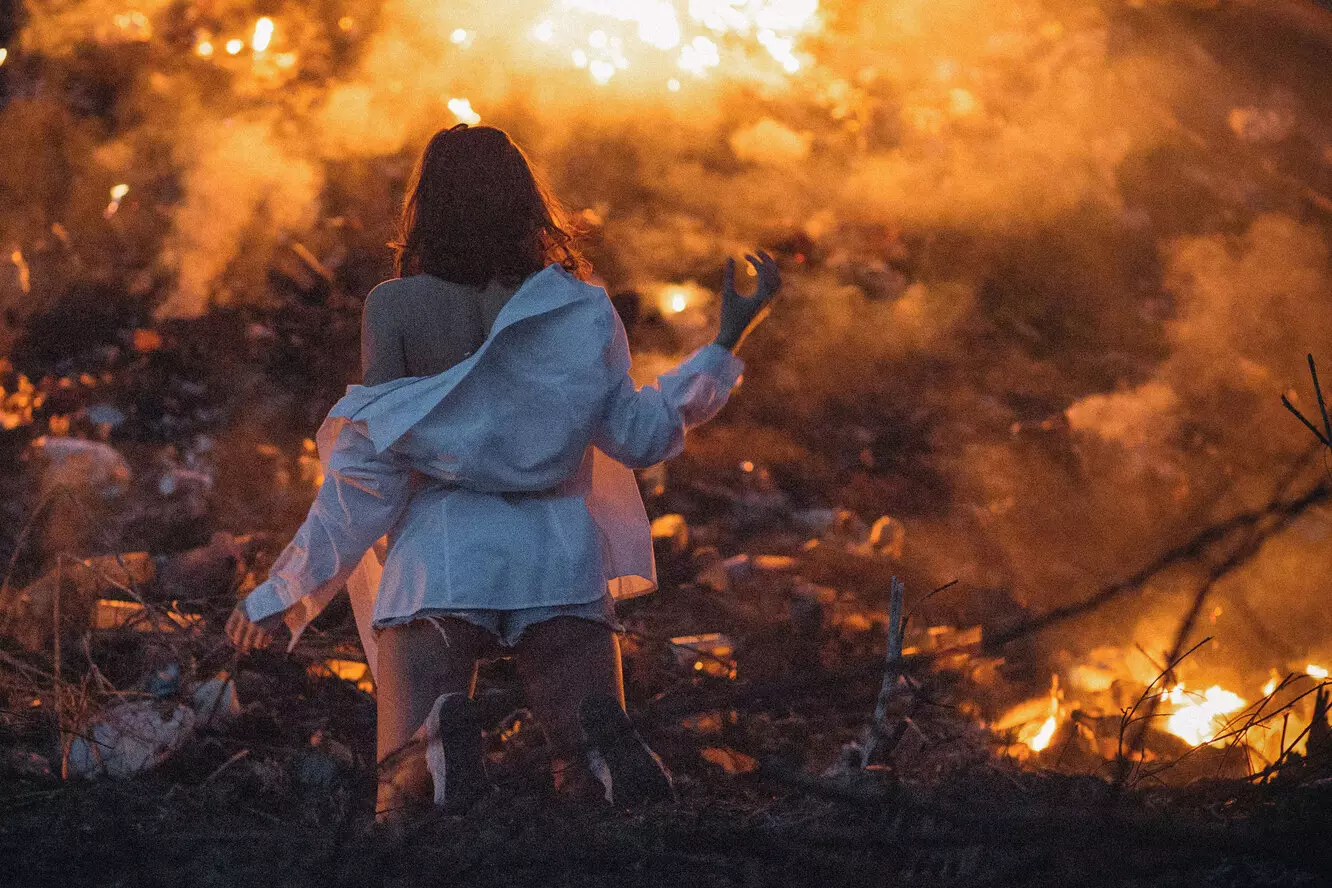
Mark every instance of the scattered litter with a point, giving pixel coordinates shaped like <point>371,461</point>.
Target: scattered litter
<point>673,528</point>
<point>773,562</point>
<point>354,671</point>
<point>129,738</point>
<point>112,613</point>
<point>710,722</point>
<point>887,537</point>
<point>215,701</point>
<point>731,761</point>
<point>27,617</point>
<point>107,415</point>
<point>710,653</point>
<point>79,464</point>
<point>163,683</point>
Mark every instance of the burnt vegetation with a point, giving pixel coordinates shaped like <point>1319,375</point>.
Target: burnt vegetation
<point>1007,565</point>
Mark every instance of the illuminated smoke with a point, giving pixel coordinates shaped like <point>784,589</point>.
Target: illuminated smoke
<point>1088,369</point>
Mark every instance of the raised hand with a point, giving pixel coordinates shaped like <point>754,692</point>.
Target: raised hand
<point>741,314</point>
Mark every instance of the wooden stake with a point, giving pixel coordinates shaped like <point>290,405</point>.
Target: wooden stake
<point>892,668</point>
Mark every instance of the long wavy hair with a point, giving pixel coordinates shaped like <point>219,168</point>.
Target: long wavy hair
<point>476,213</point>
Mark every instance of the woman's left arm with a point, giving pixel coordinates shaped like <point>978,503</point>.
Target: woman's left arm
<point>383,357</point>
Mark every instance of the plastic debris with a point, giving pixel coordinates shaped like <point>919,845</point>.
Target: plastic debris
<point>887,537</point>
<point>27,616</point>
<point>107,415</point>
<point>673,528</point>
<point>773,562</point>
<point>215,701</point>
<point>730,760</point>
<point>129,738</point>
<point>354,671</point>
<point>77,463</point>
<point>163,683</point>
<point>710,722</point>
<point>710,653</point>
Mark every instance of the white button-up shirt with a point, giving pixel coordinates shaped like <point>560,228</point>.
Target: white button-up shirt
<point>504,482</point>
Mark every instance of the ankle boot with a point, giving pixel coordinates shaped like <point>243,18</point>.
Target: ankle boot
<point>453,753</point>
<point>617,755</point>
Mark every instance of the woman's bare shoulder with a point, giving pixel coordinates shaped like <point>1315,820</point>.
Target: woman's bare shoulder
<point>403,297</point>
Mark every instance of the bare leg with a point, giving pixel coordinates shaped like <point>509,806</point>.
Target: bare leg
<point>417,662</point>
<point>561,662</point>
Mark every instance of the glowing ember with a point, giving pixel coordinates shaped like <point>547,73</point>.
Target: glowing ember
<point>118,193</point>
<point>1201,721</point>
<point>204,49</point>
<point>24,276</point>
<point>462,109</point>
<point>1315,671</point>
<point>1270,686</point>
<point>459,36</point>
<point>235,46</point>
<point>4,54</point>
<point>679,302</point>
<point>263,34</point>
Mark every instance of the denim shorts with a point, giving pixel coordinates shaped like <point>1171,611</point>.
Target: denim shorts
<point>508,625</point>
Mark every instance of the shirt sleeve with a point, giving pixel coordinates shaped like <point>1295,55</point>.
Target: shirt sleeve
<point>362,497</point>
<point>642,427</point>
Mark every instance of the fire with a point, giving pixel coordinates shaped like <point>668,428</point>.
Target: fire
<point>4,54</point>
<point>1048,727</point>
<point>674,300</point>
<point>602,36</point>
<point>1032,731</point>
<point>1044,735</point>
<point>462,109</point>
<point>24,273</point>
<point>1315,671</point>
<point>118,193</point>
<point>263,34</point>
<point>1270,686</point>
<point>1201,721</point>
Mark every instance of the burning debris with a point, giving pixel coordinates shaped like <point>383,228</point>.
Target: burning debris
<point>1053,264</point>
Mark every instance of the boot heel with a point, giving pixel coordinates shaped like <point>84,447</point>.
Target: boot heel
<point>453,753</point>
<point>637,775</point>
